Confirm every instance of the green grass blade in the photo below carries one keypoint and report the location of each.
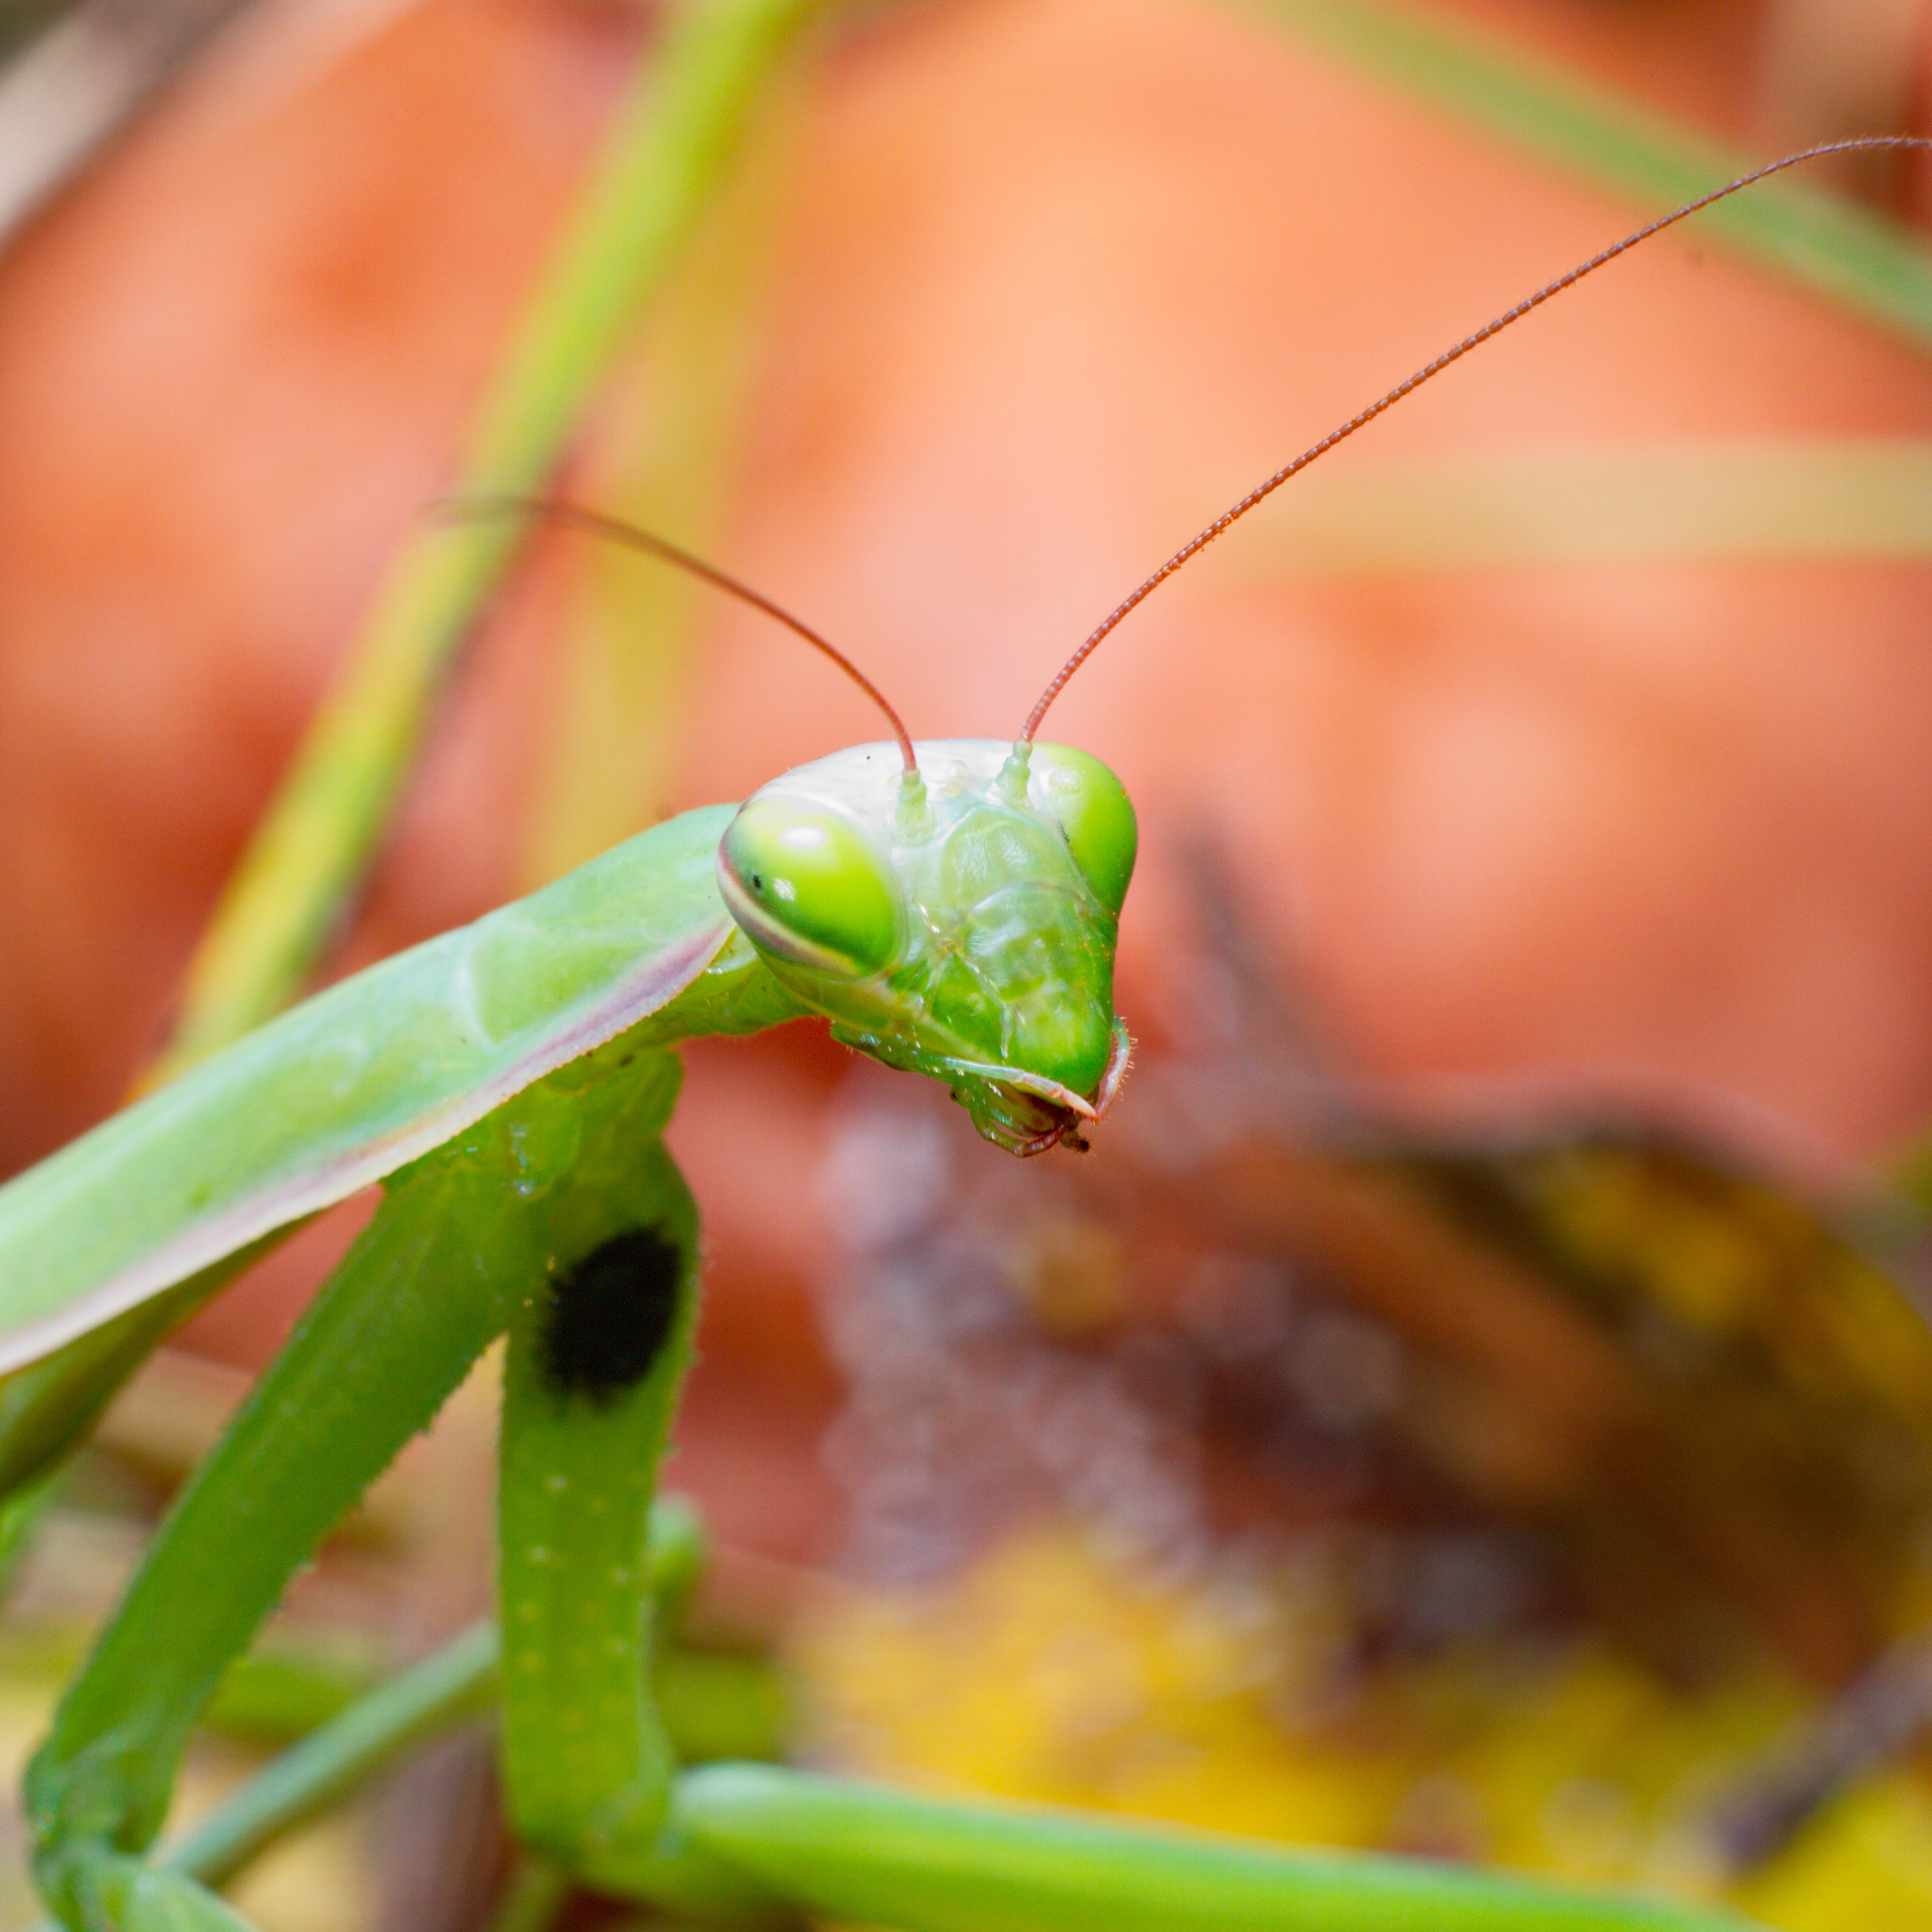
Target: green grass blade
(672, 146)
(533, 1896)
(447, 1688)
(1769, 500)
(1874, 268)
(660, 453)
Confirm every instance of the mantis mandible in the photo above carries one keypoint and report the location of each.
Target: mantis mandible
(951, 907)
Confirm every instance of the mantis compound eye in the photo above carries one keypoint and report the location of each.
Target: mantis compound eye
(808, 886)
(1093, 812)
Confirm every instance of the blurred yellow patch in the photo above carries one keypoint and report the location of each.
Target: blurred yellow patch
(1044, 1671)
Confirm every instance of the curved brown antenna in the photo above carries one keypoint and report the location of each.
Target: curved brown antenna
(592, 523)
(1855, 144)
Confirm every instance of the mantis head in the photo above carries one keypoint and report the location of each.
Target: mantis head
(955, 918)
(964, 930)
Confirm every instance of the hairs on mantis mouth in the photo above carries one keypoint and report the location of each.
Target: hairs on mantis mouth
(951, 907)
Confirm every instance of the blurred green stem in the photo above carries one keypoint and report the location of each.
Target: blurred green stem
(454, 1683)
(536, 1892)
(447, 1688)
(1873, 267)
(674, 142)
(1780, 499)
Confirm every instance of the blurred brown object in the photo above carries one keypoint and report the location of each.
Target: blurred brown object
(1673, 1399)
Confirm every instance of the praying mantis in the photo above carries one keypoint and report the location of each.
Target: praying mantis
(951, 907)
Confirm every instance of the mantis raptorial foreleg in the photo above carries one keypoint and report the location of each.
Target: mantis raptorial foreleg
(465, 1241)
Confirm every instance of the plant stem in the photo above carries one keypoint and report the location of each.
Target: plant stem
(447, 1688)
(674, 143)
(536, 1893)
(1876, 268)
(452, 1685)
(1783, 499)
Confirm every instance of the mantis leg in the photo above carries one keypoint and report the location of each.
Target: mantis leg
(595, 1363)
(862, 1854)
(463, 1238)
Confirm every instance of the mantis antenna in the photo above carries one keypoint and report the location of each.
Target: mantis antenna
(589, 523)
(1855, 144)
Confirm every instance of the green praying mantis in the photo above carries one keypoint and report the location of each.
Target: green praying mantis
(951, 907)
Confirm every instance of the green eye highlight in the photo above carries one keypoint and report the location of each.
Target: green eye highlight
(1094, 811)
(809, 886)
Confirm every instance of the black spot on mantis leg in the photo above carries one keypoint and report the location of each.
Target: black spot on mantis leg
(609, 1316)
(596, 1355)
